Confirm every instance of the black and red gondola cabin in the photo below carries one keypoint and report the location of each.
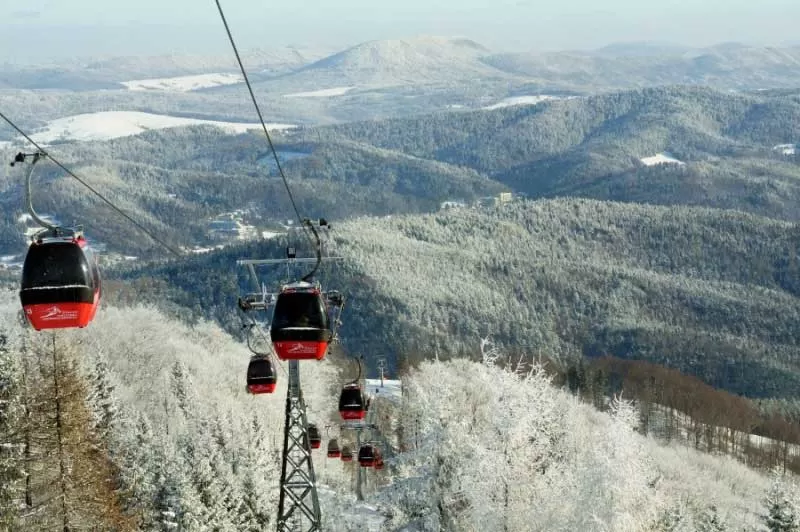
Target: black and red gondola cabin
(351, 402)
(347, 454)
(61, 283)
(300, 327)
(333, 449)
(261, 376)
(366, 455)
(314, 437)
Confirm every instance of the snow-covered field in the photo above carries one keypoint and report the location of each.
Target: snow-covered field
(11, 261)
(391, 389)
(107, 125)
(519, 100)
(660, 158)
(322, 93)
(786, 149)
(183, 83)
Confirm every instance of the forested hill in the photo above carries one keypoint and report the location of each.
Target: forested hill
(175, 181)
(593, 146)
(714, 293)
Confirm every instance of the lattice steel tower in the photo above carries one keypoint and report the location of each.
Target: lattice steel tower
(298, 509)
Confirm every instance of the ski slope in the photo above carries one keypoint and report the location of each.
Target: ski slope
(660, 158)
(106, 125)
(391, 389)
(183, 83)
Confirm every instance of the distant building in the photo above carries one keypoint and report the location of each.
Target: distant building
(229, 226)
(495, 201)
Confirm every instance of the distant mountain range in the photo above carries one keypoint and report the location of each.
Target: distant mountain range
(440, 60)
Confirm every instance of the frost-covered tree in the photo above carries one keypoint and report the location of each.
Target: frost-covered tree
(11, 441)
(782, 507)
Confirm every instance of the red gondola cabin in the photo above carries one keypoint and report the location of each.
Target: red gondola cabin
(261, 375)
(351, 402)
(314, 437)
(367, 455)
(61, 283)
(300, 325)
(347, 454)
(333, 449)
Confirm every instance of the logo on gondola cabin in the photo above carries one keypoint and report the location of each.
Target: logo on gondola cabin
(55, 313)
(301, 348)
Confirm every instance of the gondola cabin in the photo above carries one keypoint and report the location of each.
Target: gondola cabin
(351, 402)
(333, 449)
(300, 325)
(379, 463)
(366, 455)
(261, 376)
(314, 437)
(61, 283)
(347, 454)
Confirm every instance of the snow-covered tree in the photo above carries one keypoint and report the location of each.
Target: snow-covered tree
(782, 507)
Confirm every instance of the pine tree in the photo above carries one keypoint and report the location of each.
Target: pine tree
(782, 511)
(711, 521)
(10, 447)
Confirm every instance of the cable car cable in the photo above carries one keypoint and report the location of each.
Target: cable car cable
(91, 189)
(258, 111)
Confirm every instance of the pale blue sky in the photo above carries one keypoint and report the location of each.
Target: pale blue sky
(79, 27)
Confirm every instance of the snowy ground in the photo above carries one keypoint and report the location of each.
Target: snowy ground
(183, 83)
(519, 100)
(322, 93)
(11, 261)
(786, 149)
(391, 389)
(107, 125)
(660, 158)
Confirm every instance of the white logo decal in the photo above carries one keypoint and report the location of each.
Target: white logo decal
(300, 348)
(55, 313)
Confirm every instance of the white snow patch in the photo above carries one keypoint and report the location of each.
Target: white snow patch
(266, 235)
(107, 125)
(183, 83)
(660, 158)
(390, 389)
(786, 149)
(11, 261)
(322, 93)
(198, 250)
(520, 100)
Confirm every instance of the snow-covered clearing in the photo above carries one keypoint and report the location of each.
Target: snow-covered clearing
(786, 149)
(519, 100)
(183, 83)
(321, 93)
(11, 261)
(107, 125)
(660, 158)
(390, 389)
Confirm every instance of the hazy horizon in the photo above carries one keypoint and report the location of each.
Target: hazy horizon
(42, 29)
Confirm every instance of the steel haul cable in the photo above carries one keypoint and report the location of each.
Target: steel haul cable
(260, 116)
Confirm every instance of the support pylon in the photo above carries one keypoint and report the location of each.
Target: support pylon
(298, 507)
